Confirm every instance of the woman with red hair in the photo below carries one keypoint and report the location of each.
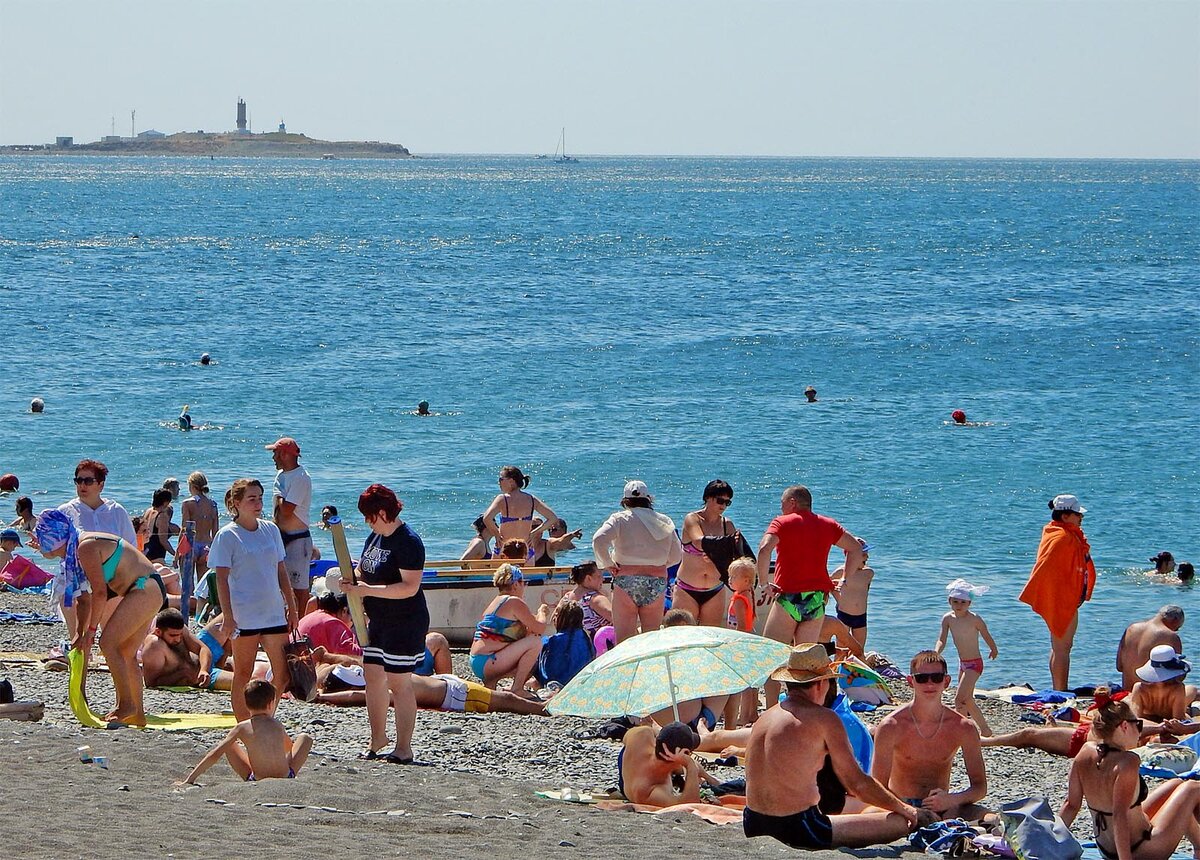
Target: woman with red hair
(389, 583)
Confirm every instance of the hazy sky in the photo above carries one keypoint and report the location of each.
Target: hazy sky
(753, 77)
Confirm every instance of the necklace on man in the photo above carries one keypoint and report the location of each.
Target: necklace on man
(917, 725)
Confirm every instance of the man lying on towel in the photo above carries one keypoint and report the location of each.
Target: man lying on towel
(172, 656)
(340, 682)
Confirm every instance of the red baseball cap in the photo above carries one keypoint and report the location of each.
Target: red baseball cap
(285, 444)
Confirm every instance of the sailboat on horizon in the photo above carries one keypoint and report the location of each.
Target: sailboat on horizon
(560, 151)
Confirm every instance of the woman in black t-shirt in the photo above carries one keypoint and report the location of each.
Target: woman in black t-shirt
(389, 582)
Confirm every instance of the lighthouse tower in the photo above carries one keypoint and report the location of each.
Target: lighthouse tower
(241, 117)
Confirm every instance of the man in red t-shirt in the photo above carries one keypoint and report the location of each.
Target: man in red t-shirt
(801, 541)
(329, 626)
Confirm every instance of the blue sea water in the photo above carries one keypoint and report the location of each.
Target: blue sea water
(651, 318)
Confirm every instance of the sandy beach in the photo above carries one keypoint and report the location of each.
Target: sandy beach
(478, 795)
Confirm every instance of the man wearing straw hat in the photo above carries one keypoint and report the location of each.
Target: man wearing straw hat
(787, 748)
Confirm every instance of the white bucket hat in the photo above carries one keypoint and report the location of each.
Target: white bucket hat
(1067, 502)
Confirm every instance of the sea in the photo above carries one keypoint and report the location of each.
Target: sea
(652, 318)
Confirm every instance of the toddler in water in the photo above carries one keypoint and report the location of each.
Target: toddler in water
(742, 709)
(965, 627)
(269, 752)
(850, 592)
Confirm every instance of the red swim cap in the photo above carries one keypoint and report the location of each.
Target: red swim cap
(959, 416)
(9, 483)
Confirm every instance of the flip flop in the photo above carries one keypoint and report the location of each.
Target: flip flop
(369, 755)
(392, 758)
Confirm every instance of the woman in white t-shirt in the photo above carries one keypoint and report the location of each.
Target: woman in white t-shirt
(253, 585)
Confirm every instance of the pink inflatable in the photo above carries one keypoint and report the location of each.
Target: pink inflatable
(606, 637)
(23, 573)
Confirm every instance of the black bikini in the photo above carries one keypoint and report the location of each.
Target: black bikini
(1100, 821)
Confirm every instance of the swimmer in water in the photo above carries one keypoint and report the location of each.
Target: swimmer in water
(185, 420)
(1186, 570)
(959, 416)
(205, 358)
(1164, 563)
(423, 408)
(811, 394)
(37, 405)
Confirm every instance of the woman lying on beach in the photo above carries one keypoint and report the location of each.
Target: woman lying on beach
(254, 589)
(1130, 822)
(710, 543)
(1065, 740)
(100, 567)
(515, 508)
(508, 638)
(637, 545)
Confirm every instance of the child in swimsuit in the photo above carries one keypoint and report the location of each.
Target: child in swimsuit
(850, 592)
(965, 628)
(742, 709)
(258, 748)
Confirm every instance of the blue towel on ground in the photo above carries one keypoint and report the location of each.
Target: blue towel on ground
(1044, 697)
(26, 618)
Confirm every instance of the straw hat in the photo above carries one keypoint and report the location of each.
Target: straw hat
(807, 663)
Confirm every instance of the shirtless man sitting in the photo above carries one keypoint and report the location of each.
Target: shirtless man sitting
(915, 746)
(787, 748)
(1160, 693)
(659, 770)
(172, 656)
(1142, 636)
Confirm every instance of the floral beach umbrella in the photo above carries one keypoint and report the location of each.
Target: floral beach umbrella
(649, 672)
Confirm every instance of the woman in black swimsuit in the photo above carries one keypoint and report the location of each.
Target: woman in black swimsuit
(157, 524)
(710, 542)
(1130, 822)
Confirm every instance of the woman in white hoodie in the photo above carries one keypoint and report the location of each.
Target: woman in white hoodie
(636, 546)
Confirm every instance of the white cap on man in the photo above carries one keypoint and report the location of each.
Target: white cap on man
(1067, 502)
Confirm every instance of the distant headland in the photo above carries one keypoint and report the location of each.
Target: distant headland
(242, 143)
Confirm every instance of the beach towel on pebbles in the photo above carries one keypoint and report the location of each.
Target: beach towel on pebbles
(727, 810)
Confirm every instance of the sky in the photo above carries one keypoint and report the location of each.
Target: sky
(968, 78)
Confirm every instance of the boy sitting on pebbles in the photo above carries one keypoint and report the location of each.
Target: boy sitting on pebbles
(269, 753)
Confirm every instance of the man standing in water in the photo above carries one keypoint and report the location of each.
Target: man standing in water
(293, 498)
(801, 541)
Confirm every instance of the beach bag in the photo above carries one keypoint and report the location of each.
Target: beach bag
(563, 655)
(302, 677)
(20, 572)
(1034, 832)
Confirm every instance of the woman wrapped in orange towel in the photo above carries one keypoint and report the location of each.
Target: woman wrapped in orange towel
(1061, 580)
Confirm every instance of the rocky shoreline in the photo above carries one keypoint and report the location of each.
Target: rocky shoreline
(480, 787)
(270, 145)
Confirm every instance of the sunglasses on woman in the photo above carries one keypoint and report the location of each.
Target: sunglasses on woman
(86, 480)
(723, 502)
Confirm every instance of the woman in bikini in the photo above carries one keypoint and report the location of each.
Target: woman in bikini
(156, 527)
(111, 568)
(508, 638)
(589, 594)
(510, 515)
(1130, 822)
(201, 510)
(710, 543)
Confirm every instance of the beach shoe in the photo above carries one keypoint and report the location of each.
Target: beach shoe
(369, 755)
(392, 758)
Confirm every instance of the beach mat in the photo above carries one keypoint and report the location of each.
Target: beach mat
(20, 657)
(164, 722)
(728, 810)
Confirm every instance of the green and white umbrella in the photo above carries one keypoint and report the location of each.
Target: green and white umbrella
(652, 671)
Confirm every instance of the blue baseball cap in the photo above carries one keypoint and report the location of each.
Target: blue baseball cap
(11, 534)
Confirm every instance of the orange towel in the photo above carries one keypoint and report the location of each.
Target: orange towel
(1062, 577)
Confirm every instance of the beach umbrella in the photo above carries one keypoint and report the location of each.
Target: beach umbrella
(646, 673)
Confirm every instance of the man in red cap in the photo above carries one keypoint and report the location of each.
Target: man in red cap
(293, 499)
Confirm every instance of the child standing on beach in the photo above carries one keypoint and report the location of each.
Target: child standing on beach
(265, 751)
(742, 709)
(966, 628)
(851, 596)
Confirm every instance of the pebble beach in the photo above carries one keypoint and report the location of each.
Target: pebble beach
(478, 793)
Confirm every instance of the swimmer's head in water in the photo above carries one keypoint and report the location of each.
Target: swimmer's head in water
(25, 506)
(1186, 571)
(205, 358)
(9, 483)
(328, 512)
(37, 405)
(811, 394)
(423, 407)
(1164, 562)
(959, 416)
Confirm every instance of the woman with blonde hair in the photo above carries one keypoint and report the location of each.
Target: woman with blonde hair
(508, 638)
